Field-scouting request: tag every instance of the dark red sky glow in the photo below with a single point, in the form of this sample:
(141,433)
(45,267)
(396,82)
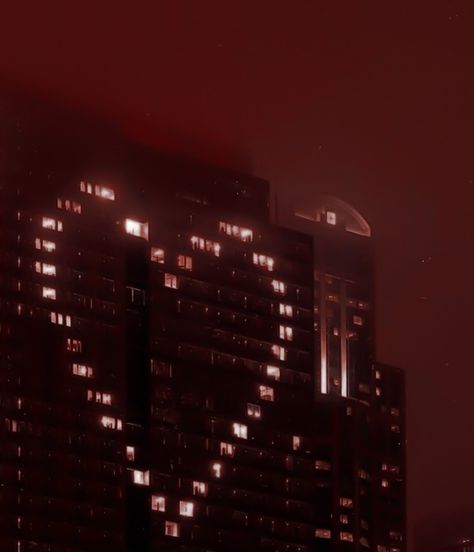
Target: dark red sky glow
(371,101)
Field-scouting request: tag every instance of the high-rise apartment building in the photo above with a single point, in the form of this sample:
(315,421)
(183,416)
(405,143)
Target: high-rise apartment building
(178,373)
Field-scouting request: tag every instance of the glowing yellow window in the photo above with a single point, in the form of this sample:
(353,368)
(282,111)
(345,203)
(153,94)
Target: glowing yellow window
(216,469)
(137,229)
(273,372)
(171,529)
(158,503)
(186,508)
(227,449)
(157,255)
(266,393)
(141,477)
(286,332)
(199,488)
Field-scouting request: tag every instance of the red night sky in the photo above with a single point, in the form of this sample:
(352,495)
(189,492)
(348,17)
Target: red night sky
(371,101)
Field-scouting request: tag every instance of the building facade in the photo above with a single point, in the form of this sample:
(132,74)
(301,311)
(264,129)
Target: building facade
(178,373)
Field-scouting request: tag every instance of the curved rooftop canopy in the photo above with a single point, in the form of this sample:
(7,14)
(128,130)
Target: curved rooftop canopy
(335,211)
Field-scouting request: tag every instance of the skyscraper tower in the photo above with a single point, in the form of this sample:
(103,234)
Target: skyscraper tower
(181,374)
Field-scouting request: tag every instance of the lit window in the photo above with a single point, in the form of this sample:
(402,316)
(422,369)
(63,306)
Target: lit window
(279,287)
(141,477)
(68,205)
(199,488)
(244,234)
(286,332)
(105,193)
(323,533)
(82,370)
(103,398)
(322,465)
(52,224)
(378,375)
(264,261)
(100,191)
(395,412)
(45,245)
(135,228)
(394,428)
(254,410)
(106,398)
(171,281)
(186,509)
(217,470)
(384,483)
(344,519)
(273,372)
(158,503)
(157,255)
(171,529)
(60,319)
(206,245)
(358,320)
(346,502)
(98,397)
(266,393)
(331,217)
(12,425)
(286,310)
(185,262)
(74,345)
(45,268)
(279,352)
(239,430)
(378,391)
(227,449)
(86,187)
(346,536)
(364,542)
(49,293)
(213,247)
(198,243)
(111,423)
(296,441)
(130,453)
(363,474)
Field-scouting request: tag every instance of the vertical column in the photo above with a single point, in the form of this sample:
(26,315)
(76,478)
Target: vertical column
(343,310)
(323,329)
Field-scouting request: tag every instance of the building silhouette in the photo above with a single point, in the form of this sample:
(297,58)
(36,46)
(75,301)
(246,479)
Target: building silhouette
(178,372)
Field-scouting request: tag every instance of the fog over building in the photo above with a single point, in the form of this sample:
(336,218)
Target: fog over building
(178,371)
